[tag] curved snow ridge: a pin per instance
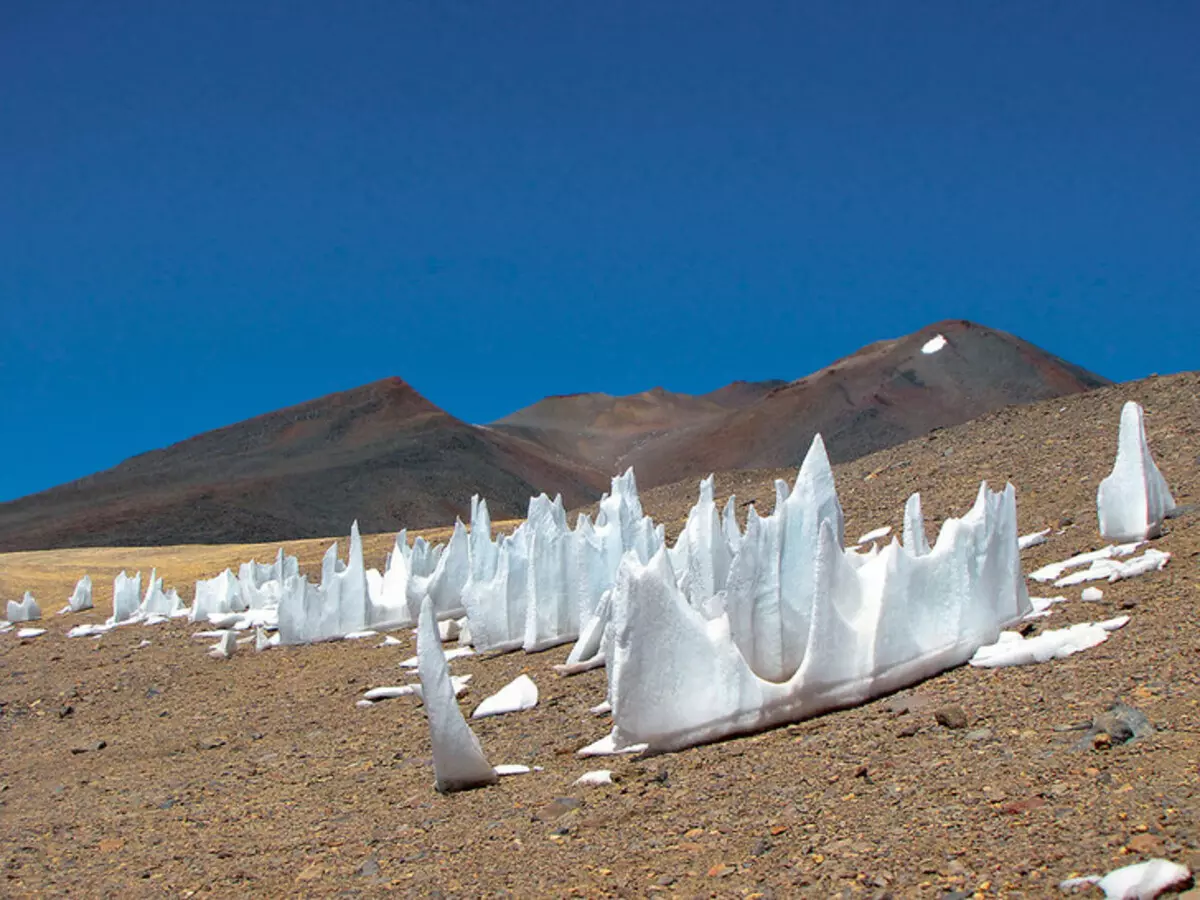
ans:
(804, 626)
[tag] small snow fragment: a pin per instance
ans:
(456, 653)
(1014, 650)
(391, 692)
(261, 639)
(364, 704)
(144, 643)
(601, 709)
(875, 535)
(1092, 594)
(1141, 881)
(89, 630)
(512, 769)
(933, 345)
(224, 646)
(595, 778)
(520, 693)
(359, 635)
(1054, 570)
(30, 632)
(1025, 541)
(607, 746)
(389, 641)
(1041, 606)
(448, 629)
(223, 620)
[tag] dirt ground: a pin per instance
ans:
(258, 776)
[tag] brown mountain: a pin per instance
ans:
(884, 394)
(602, 431)
(386, 456)
(381, 453)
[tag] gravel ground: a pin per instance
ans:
(154, 770)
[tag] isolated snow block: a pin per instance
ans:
(24, 610)
(1132, 502)
(458, 760)
(875, 624)
(126, 597)
(81, 597)
(519, 694)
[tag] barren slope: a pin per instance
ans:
(883, 395)
(601, 430)
(380, 453)
(258, 777)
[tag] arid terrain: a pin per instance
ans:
(152, 770)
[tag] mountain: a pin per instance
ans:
(601, 431)
(386, 456)
(380, 453)
(886, 393)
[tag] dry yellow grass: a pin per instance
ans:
(51, 574)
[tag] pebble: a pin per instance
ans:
(89, 748)
(951, 716)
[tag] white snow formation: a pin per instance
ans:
(1140, 881)
(30, 632)
(224, 647)
(1151, 560)
(1133, 501)
(458, 760)
(933, 345)
(1012, 649)
(24, 610)
(1092, 594)
(595, 778)
(519, 694)
(127, 597)
(157, 603)
(804, 626)
(875, 534)
(1025, 541)
(512, 769)
(81, 597)
(1054, 571)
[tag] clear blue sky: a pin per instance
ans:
(209, 210)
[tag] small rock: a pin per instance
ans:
(1146, 844)
(909, 730)
(1129, 603)
(89, 748)
(210, 743)
(761, 847)
(665, 880)
(64, 711)
(556, 809)
(720, 870)
(369, 868)
(952, 716)
(1101, 741)
(979, 734)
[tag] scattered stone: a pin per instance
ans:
(1129, 603)
(556, 809)
(1119, 725)
(89, 748)
(720, 870)
(951, 716)
(909, 730)
(761, 847)
(210, 743)
(369, 868)
(1146, 844)
(64, 711)
(979, 734)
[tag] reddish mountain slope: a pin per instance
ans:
(602, 431)
(882, 395)
(381, 453)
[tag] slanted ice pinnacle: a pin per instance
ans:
(1133, 501)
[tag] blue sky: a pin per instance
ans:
(211, 210)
